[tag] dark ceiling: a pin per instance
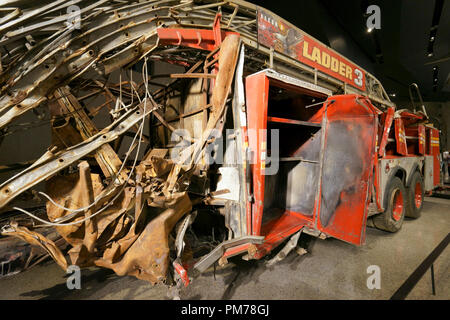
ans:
(397, 54)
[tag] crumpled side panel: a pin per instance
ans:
(148, 256)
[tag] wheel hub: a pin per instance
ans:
(397, 205)
(418, 195)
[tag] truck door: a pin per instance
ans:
(347, 166)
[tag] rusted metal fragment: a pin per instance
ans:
(116, 249)
(88, 238)
(67, 191)
(37, 239)
(148, 257)
(107, 159)
(154, 167)
(87, 248)
(64, 135)
(228, 56)
(17, 256)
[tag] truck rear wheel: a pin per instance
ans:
(415, 193)
(391, 219)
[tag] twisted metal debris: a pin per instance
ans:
(121, 212)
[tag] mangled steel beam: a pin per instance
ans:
(114, 222)
(109, 39)
(37, 239)
(54, 163)
(16, 255)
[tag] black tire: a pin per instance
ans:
(415, 193)
(391, 219)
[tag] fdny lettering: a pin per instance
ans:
(327, 61)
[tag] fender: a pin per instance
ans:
(414, 169)
(394, 171)
(392, 174)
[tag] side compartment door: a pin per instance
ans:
(347, 167)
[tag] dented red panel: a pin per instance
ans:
(193, 38)
(434, 148)
(421, 133)
(400, 137)
(347, 168)
(389, 117)
(278, 230)
(257, 89)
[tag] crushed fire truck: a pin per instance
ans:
(264, 134)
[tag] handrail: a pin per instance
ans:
(411, 282)
(414, 85)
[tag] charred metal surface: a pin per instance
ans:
(343, 166)
(347, 168)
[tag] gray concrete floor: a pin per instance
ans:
(331, 270)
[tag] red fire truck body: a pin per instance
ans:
(339, 162)
(358, 151)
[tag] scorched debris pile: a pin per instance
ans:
(115, 213)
